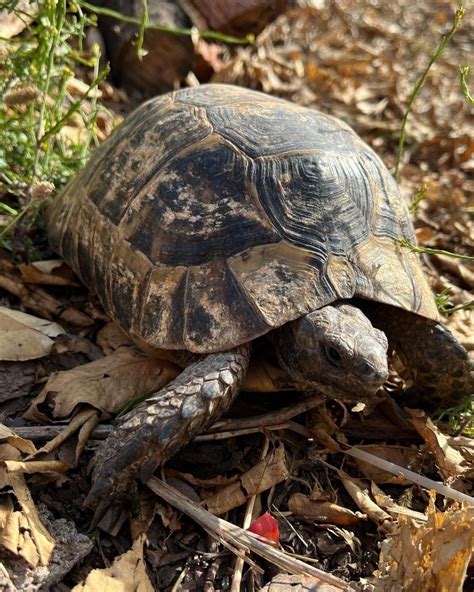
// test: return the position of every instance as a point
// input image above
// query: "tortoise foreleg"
(166, 421)
(439, 367)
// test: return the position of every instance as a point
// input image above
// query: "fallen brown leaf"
(265, 474)
(53, 272)
(111, 337)
(450, 461)
(286, 582)
(360, 494)
(303, 506)
(127, 574)
(22, 445)
(106, 384)
(25, 337)
(21, 531)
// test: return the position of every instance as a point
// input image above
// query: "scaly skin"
(439, 366)
(158, 427)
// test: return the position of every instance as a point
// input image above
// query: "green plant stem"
(463, 74)
(416, 249)
(144, 24)
(420, 82)
(231, 40)
(58, 25)
(419, 197)
(74, 107)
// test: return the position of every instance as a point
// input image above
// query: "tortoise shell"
(215, 214)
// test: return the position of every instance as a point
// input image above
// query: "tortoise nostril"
(373, 373)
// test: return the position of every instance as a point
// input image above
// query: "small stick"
(277, 419)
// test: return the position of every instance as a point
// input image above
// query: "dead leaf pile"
(433, 555)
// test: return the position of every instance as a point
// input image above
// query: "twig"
(277, 420)
(274, 417)
(410, 475)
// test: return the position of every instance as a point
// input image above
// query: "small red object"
(266, 526)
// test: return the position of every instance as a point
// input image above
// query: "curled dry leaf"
(431, 556)
(25, 337)
(360, 494)
(9, 437)
(265, 474)
(30, 467)
(303, 506)
(107, 384)
(21, 530)
(127, 573)
(53, 272)
(450, 461)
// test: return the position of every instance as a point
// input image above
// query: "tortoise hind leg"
(439, 367)
(165, 422)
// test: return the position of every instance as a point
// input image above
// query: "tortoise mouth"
(356, 393)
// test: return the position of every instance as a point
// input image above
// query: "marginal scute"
(389, 273)
(215, 214)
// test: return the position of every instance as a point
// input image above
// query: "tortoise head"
(334, 349)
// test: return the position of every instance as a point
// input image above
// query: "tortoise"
(216, 215)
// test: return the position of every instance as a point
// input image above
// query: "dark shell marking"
(215, 214)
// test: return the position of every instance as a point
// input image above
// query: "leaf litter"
(358, 61)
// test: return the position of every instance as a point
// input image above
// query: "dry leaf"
(21, 531)
(111, 337)
(451, 462)
(53, 272)
(385, 501)
(360, 494)
(106, 384)
(25, 337)
(34, 466)
(22, 445)
(304, 506)
(265, 474)
(431, 556)
(126, 574)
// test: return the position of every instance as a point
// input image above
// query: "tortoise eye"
(333, 356)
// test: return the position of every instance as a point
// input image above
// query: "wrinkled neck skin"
(335, 349)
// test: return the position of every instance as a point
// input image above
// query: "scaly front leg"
(168, 420)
